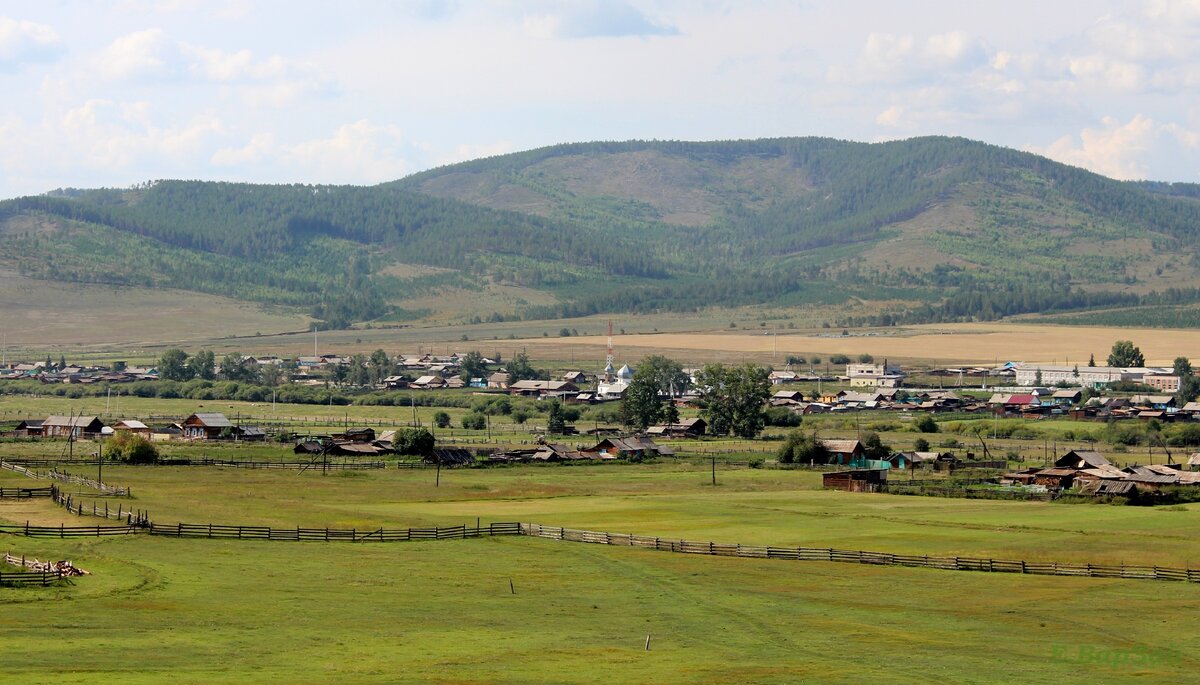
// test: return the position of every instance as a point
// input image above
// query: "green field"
(228, 611)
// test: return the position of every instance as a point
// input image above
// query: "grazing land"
(43, 315)
(233, 611)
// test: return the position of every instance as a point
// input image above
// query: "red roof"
(1020, 399)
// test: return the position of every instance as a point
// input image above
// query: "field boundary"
(678, 546)
(132, 517)
(69, 478)
(26, 493)
(863, 557)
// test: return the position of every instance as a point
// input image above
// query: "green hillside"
(927, 228)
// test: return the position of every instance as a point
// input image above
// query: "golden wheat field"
(976, 343)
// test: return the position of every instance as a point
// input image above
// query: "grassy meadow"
(227, 611)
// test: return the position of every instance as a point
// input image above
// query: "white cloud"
(259, 148)
(887, 57)
(360, 152)
(593, 19)
(220, 66)
(144, 54)
(1113, 150)
(466, 151)
(22, 42)
(154, 55)
(891, 117)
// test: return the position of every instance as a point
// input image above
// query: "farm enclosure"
(247, 611)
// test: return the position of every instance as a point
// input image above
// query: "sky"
(117, 93)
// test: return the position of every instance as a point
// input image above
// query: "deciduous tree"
(732, 398)
(1125, 354)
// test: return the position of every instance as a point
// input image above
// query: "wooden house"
(498, 381)
(206, 426)
(687, 428)
(132, 426)
(844, 451)
(71, 426)
(531, 388)
(576, 377)
(625, 448)
(428, 383)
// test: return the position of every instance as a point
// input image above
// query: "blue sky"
(111, 94)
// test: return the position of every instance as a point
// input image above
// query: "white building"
(613, 386)
(1088, 376)
(883, 375)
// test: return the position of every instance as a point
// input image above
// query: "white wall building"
(1088, 376)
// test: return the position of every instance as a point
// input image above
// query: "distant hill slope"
(930, 228)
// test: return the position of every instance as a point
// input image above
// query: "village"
(864, 390)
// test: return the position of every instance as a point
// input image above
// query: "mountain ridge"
(917, 224)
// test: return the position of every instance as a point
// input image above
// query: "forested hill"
(938, 228)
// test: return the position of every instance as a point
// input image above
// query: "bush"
(474, 421)
(927, 424)
(920, 445)
(441, 419)
(782, 416)
(800, 448)
(413, 441)
(132, 449)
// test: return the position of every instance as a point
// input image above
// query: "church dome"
(625, 372)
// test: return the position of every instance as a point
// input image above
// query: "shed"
(29, 428)
(856, 480)
(1082, 459)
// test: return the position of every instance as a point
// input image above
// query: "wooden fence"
(19, 469)
(64, 531)
(132, 517)
(294, 465)
(863, 557)
(30, 577)
(460, 532)
(71, 478)
(25, 493)
(64, 477)
(214, 531)
(65, 568)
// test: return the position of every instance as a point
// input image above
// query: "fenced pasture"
(574, 613)
(535, 611)
(777, 507)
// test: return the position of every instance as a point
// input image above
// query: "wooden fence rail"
(65, 531)
(131, 516)
(25, 493)
(215, 531)
(64, 477)
(863, 557)
(30, 577)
